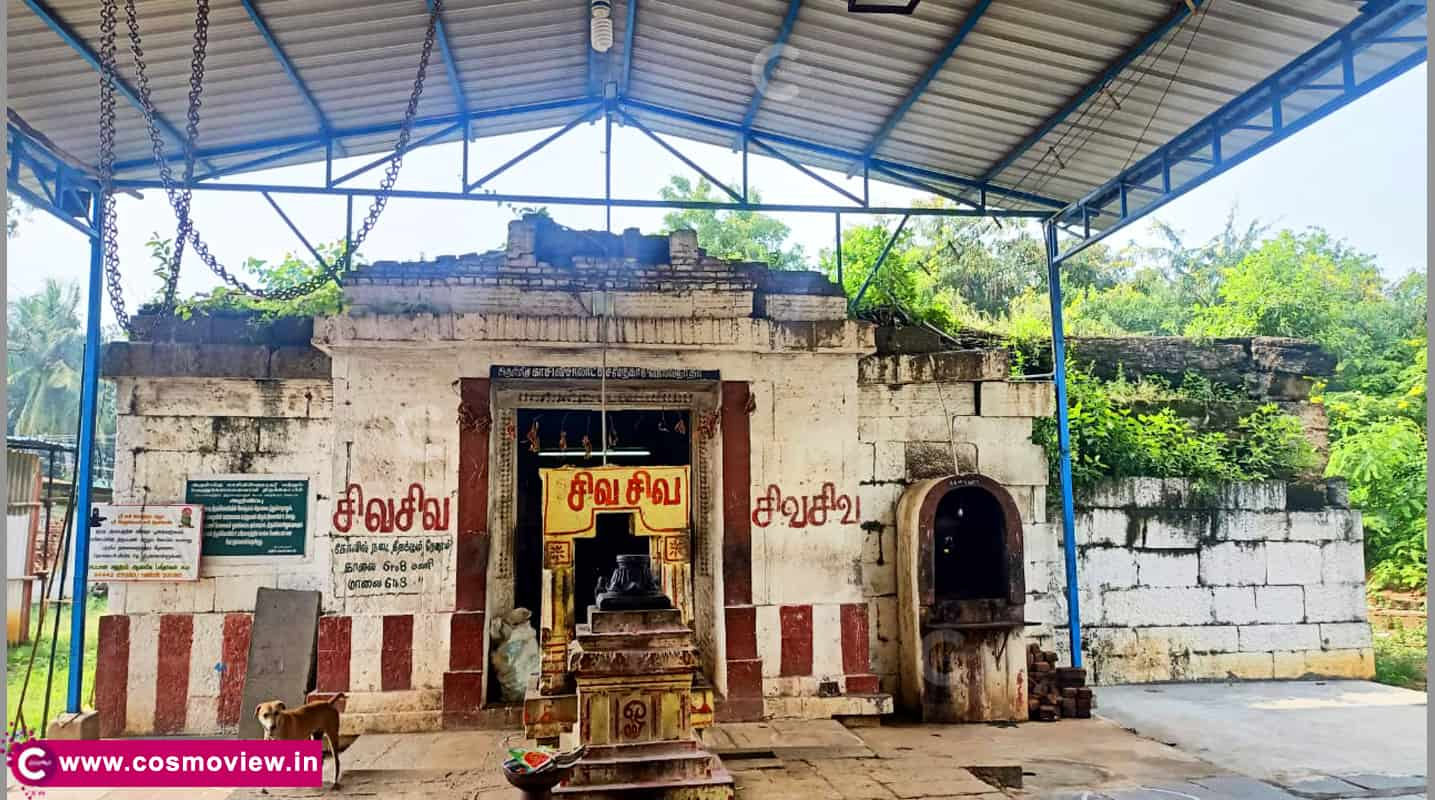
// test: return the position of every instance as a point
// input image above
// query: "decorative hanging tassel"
(533, 437)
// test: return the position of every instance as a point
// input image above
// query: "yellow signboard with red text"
(656, 496)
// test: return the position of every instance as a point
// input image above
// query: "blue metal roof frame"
(252, 10)
(970, 22)
(1386, 40)
(964, 49)
(769, 66)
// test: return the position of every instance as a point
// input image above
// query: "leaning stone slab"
(282, 651)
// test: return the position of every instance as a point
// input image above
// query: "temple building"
(472, 442)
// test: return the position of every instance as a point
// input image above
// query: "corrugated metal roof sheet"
(24, 476)
(842, 79)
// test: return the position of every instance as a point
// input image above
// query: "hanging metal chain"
(179, 196)
(109, 227)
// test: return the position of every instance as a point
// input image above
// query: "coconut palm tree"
(44, 353)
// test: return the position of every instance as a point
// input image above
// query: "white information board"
(146, 543)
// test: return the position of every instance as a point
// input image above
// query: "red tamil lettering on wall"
(379, 515)
(827, 506)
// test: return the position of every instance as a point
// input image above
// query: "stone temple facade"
(447, 386)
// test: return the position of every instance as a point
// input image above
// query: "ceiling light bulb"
(600, 28)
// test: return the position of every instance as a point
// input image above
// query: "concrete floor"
(1257, 741)
(1281, 731)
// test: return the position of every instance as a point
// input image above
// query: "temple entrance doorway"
(558, 437)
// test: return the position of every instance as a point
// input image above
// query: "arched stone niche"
(961, 595)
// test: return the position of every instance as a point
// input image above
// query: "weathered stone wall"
(1265, 367)
(375, 404)
(277, 420)
(1257, 580)
(928, 416)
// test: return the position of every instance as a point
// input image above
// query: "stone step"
(645, 768)
(716, 786)
(640, 749)
(397, 701)
(390, 722)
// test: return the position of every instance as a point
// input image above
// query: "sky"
(1360, 174)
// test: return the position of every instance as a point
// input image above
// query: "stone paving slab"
(1240, 787)
(788, 739)
(1387, 783)
(1322, 786)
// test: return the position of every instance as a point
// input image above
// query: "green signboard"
(251, 515)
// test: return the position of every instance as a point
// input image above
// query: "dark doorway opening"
(969, 546)
(595, 558)
(635, 438)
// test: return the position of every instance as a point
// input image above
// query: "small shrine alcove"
(961, 592)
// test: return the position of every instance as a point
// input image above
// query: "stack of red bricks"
(1054, 692)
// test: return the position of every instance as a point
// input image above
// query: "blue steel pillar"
(85, 454)
(1063, 433)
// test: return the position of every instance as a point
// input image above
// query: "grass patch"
(1400, 657)
(19, 657)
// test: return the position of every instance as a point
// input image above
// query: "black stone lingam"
(632, 587)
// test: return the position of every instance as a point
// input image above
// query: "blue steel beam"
(1063, 441)
(323, 264)
(60, 184)
(838, 153)
(846, 156)
(261, 145)
(84, 470)
(927, 187)
(800, 167)
(563, 200)
(1126, 59)
(287, 65)
(547, 140)
(255, 163)
(774, 56)
(122, 87)
(632, 23)
(413, 145)
(1201, 145)
(895, 118)
(887, 248)
(450, 66)
(693, 165)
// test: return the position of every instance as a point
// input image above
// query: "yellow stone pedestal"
(638, 707)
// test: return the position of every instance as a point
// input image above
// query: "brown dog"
(319, 719)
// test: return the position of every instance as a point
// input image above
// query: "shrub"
(1108, 440)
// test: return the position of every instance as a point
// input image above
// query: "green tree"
(904, 284)
(14, 212)
(1296, 284)
(291, 270)
(1195, 273)
(1385, 463)
(745, 235)
(43, 360)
